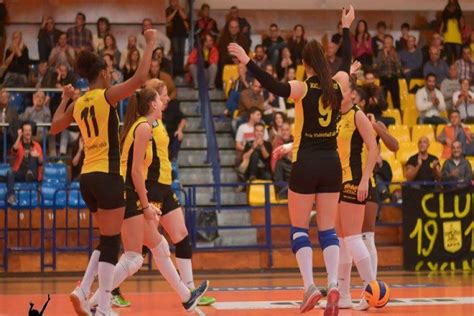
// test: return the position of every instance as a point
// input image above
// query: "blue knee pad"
(328, 238)
(301, 241)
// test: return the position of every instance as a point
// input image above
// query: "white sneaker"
(79, 302)
(110, 312)
(94, 300)
(310, 299)
(345, 302)
(361, 306)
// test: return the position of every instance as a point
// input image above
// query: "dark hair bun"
(88, 65)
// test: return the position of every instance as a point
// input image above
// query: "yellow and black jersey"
(160, 167)
(98, 122)
(350, 146)
(126, 159)
(315, 124)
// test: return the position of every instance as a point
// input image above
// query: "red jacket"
(213, 57)
(20, 153)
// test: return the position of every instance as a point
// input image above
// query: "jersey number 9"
(88, 114)
(326, 113)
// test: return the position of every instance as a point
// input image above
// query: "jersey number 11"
(88, 114)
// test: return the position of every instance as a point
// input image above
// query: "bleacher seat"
(405, 151)
(417, 82)
(82, 84)
(75, 197)
(400, 132)
(53, 195)
(397, 173)
(436, 149)
(410, 116)
(230, 73)
(3, 194)
(17, 102)
(395, 113)
(257, 193)
(386, 154)
(471, 161)
(55, 172)
(4, 168)
(26, 195)
(300, 72)
(422, 130)
(402, 83)
(439, 129)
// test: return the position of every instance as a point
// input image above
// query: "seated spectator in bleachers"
(455, 131)
(402, 43)
(237, 86)
(430, 102)
(288, 105)
(285, 63)
(436, 66)
(296, 44)
(8, 114)
(115, 74)
(256, 157)
(103, 28)
(131, 63)
(466, 65)
(16, 62)
(79, 37)
(38, 113)
(110, 47)
(250, 98)
(281, 167)
(59, 78)
(48, 36)
(28, 161)
(450, 85)
(161, 39)
(156, 73)
(244, 25)
(271, 105)
(275, 128)
(165, 63)
(35, 77)
(423, 166)
(437, 42)
(389, 70)
(211, 60)
(131, 46)
(457, 168)
(463, 101)
(77, 161)
(62, 53)
(70, 135)
(245, 132)
(337, 39)
(334, 61)
(362, 44)
(411, 59)
(374, 100)
(273, 44)
(383, 176)
(205, 24)
(259, 57)
(378, 39)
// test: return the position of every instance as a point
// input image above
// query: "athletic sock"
(304, 257)
(185, 267)
(345, 268)
(331, 260)
(369, 241)
(90, 273)
(361, 256)
(106, 279)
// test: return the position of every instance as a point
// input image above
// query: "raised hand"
(68, 91)
(347, 17)
(150, 36)
(239, 53)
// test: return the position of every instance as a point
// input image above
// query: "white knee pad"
(131, 262)
(162, 250)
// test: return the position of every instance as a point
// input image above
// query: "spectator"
(362, 44)
(452, 132)
(161, 39)
(62, 53)
(284, 63)
(211, 59)
(383, 176)
(389, 68)
(165, 63)
(273, 44)
(402, 43)
(437, 42)
(244, 25)
(131, 45)
(450, 85)
(374, 100)
(205, 24)
(27, 166)
(430, 102)
(256, 157)
(378, 40)
(259, 57)
(115, 74)
(245, 132)
(466, 30)
(60, 78)
(16, 62)
(451, 29)
(77, 161)
(70, 136)
(463, 101)
(334, 61)
(103, 28)
(281, 168)
(237, 86)
(411, 59)
(78, 36)
(131, 64)
(8, 115)
(38, 113)
(296, 44)
(174, 122)
(110, 47)
(466, 65)
(337, 39)
(436, 66)
(177, 31)
(423, 166)
(48, 36)
(155, 72)
(457, 168)
(250, 98)
(288, 105)
(280, 130)
(35, 77)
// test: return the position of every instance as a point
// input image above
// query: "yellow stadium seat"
(397, 174)
(422, 130)
(400, 132)
(300, 72)
(408, 102)
(395, 113)
(405, 151)
(386, 154)
(444, 114)
(471, 127)
(471, 161)
(389, 100)
(410, 116)
(257, 193)
(439, 129)
(436, 149)
(402, 83)
(417, 82)
(229, 74)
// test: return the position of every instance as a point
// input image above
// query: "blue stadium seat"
(82, 83)
(75, 197)
(53, 195)
(4, 168)
(55, 172)
(16, 101)
(26, 195)
(174, 170)
(176, 187)
(3, 194)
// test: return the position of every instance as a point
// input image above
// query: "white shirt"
(161, 41)
(245, 134)
(465, 109)
(425, 106)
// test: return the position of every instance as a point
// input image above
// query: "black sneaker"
(196, 294)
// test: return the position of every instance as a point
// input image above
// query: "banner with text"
(438, 229)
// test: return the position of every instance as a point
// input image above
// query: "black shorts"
(320, 173)
(163, 195)
(102, 190)
(372, 193)
(133, 206)
(349, 192)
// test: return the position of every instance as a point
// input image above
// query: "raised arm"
(123, 90)
(389, 141)
(63, 116)
(347, 17)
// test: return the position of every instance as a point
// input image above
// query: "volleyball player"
(316, 169)
(102, 186)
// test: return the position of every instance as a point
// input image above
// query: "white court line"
(295, 304)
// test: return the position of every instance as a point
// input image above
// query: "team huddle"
(126, 179)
